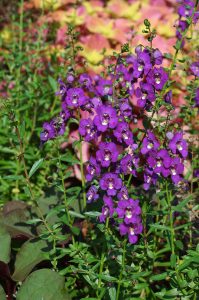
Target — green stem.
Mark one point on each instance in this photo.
(65, 198)
(102, 261)
(169, 197)
(82, 175)
(21, 25)
(40, 214)
(122, 270)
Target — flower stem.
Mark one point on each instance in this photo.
(122, 270)
(65, 198)
(102, 261)
(82, 175)
(172, 236)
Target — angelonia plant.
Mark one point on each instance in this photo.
(122, 155)
(117, 155)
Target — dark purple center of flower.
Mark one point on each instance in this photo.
(92, 170)
(125, 134)
(140, 67)
(131, 231)
(107, 155)
(106, 211)
(159, 162)
(157, 78)
(90, 197)
(173, 171)
(129, 166)
(150, 145)
(105, 119)
(75, 99)
(110, 183)
(144, 95)
(179, 146)
(106, 89)
(128, 213)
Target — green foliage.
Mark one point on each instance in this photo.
(44, 284)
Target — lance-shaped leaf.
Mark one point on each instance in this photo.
(5, 241)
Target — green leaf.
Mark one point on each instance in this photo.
(92, 214)
(30, 254)
(112, 293)
(75, 230)
(173, 259)
(35, 167)
(43, 284)
(53, 83)
(75, 214)
(2, 293)
(179, 245)
(161, 227)
(159, 277)
(5, 242)
(70, 158)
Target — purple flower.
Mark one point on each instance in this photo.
(142, 64)
(128, 210)
(194, 67)
(110, 183)
(158, 77)
(92, 194)
(107, 209)
(123, 194)
(176, 170)
(62, 88)
(132, 230)
(145, 93)
(65, 113)
(85, 80)
(196, 98)
(48, 132)
(106, 118)
(168, 97)
(75, 97)
(126, 165)
(186, 9)
(125, 109)
(59, 125)
(150, 142)
(96, 101)
(160, 162)
(157, 57)
(104, 87)
(93, 169)
(177, 144)
(87, 129)
(123, 134)
(149, 178)
(70, 78)
(107, 153)
(182, 26)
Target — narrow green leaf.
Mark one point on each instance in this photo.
(159, 276)
(75, 214)
(53, 83)
(35, 167)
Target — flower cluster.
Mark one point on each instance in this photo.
(104, 111)
(165, 162)
(186, 10)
